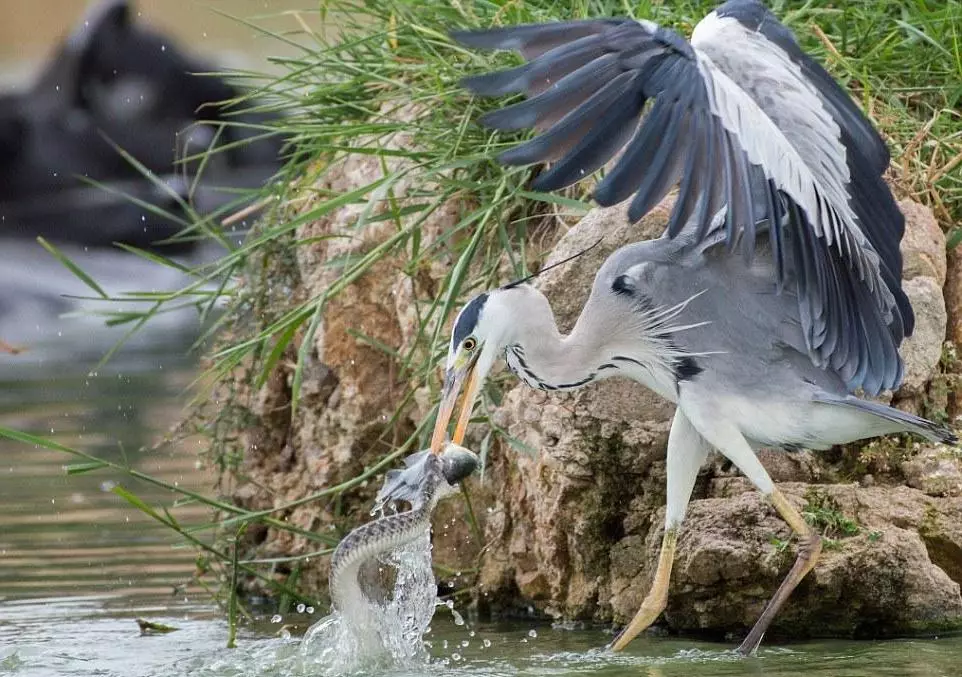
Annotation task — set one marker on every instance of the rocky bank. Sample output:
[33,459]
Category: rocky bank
[571,527]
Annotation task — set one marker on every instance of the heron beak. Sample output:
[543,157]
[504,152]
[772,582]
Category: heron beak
[453,380]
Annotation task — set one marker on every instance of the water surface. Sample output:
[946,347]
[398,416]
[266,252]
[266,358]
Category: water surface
[78,565]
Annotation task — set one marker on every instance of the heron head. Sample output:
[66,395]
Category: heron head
[484,327]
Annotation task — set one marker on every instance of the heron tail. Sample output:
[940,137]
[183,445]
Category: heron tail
[905,421]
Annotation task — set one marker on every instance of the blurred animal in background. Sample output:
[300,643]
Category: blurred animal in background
[113,84]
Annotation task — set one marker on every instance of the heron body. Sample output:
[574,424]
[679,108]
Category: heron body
[774,294]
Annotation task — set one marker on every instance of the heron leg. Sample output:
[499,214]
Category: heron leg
[809,549]
[657,598]
[730,442]
[687,450]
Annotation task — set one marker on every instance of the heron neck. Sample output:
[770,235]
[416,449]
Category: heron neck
[549,360]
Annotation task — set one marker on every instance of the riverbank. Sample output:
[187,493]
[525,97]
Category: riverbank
[394,213]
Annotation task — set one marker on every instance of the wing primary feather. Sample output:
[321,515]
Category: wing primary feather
[703,211]
[570,129]
[533,40]
[664,171]
[775,231]
[539,74]
[728,176]
[623,179]
[557,101]
[742,191]
[608,133]
[692,177]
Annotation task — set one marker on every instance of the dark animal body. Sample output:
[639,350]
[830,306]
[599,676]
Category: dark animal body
[115,84]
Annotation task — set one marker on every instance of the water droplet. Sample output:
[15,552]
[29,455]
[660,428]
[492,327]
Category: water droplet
[486,642]
[456,656]
[465,644]
[310,609]
[532,633]
[301,608]
[276,618]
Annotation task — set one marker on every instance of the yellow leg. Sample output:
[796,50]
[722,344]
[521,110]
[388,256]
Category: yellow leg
[657,597]
[808,552]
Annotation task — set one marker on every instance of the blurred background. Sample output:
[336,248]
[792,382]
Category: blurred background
[93,98]
[79,80]
[31,28]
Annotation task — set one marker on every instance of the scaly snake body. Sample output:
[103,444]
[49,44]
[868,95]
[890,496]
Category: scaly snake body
[425,481]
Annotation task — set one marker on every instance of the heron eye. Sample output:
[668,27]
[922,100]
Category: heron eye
[470,344]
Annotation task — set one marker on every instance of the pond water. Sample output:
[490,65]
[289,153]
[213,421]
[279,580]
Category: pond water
[78,565]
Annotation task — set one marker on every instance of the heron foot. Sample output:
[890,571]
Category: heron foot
[657,598]
[808,552]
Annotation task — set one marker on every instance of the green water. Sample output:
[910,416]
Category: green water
[98,636]
[78,566]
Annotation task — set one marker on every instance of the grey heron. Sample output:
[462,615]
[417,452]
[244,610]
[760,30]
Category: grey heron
[774,294]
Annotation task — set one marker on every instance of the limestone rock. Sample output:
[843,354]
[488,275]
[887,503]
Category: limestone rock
[350,387]
[883,581]
[953,295]
[923,245]
[922,351]
[936,471]
[924,274]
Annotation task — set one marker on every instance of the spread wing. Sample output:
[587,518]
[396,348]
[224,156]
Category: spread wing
[742,124]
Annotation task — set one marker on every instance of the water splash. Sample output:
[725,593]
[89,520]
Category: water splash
[384,629]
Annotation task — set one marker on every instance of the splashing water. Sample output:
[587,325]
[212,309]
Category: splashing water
[371,632]
[376,624]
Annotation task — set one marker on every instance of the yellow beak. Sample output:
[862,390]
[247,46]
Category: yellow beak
[449,396]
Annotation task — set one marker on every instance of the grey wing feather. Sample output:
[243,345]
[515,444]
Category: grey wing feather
[861,137]
[853,310]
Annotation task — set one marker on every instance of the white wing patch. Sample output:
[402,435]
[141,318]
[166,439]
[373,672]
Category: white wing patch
[823,196]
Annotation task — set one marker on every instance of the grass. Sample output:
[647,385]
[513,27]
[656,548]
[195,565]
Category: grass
[825,516]
[901,58]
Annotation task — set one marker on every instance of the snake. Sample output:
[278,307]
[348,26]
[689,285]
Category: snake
[426,479]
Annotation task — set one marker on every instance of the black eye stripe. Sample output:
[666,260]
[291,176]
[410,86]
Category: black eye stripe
[468,319]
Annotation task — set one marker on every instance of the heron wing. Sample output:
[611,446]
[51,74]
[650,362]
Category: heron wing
[712,136]
[858,134]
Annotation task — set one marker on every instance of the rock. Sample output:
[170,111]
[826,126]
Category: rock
[883,581]
[923,350]
[936,471]
[924,273]
[953,294]
[351,387]
[923,245]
